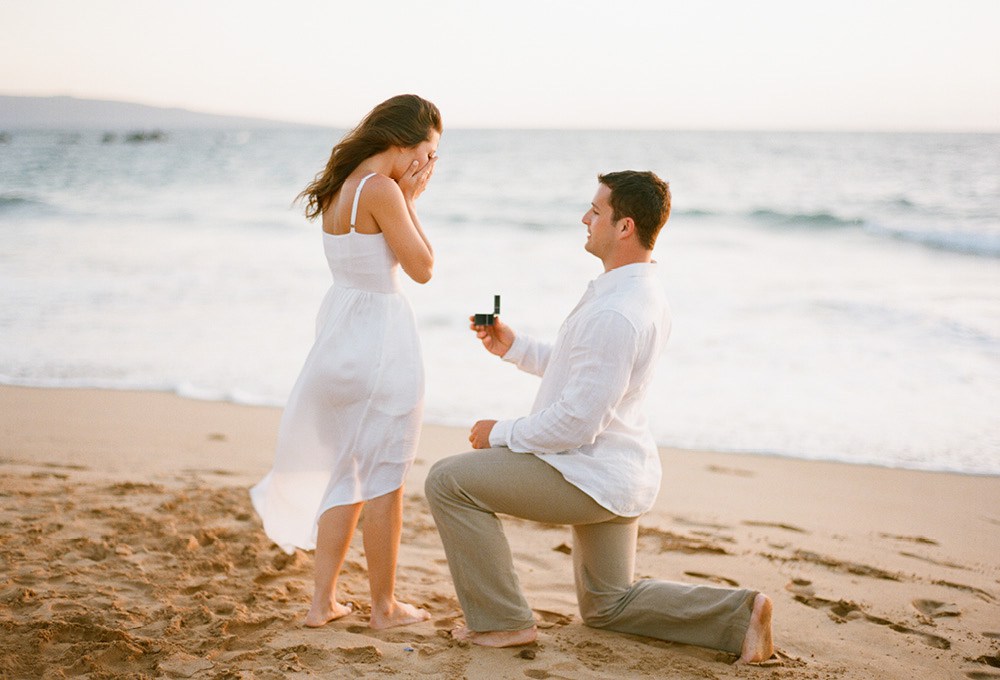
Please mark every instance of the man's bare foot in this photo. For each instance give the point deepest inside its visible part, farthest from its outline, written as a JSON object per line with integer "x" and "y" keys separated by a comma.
{"x": 398, "y": 614}
{"x": 320, "y": 615}
{"x": 758, "y": 645}
{"x": 497, "y": 638}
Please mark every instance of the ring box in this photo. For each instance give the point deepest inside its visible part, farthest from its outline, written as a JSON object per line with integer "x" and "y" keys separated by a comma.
{"x": 487, "y": 319}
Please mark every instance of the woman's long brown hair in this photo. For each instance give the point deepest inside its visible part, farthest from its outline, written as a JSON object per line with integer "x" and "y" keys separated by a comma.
{"x": 404, "y": 120}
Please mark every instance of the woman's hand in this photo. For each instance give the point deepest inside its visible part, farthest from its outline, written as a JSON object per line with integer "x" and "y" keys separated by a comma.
{"x": 415, "y": 179}
{"x": 497, "y": 337}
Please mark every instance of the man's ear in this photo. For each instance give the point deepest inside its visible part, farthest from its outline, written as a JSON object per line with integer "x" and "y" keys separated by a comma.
{"x": 626, "y": 227}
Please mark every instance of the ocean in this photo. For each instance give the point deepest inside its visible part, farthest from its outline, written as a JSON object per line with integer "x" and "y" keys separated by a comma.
{"x": 835, "y": 296}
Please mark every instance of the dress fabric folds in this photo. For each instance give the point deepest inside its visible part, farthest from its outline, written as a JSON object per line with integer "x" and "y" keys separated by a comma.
{"x": 350, "y": 427}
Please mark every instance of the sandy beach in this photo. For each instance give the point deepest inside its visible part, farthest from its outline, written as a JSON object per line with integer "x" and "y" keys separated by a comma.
{"x": 130, "y": 549}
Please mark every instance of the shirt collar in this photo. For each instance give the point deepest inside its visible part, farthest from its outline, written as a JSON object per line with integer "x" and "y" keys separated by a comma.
{"x": 608, "y": 281}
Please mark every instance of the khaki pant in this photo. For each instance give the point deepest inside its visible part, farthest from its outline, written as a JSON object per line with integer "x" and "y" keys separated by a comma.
{"x": 466, "y": 492}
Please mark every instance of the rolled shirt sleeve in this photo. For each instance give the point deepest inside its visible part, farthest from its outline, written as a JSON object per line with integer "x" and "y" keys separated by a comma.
{"x": 529, "y": 355}
{"x": 588, "y": 420}
{"x": 598, "y": 366}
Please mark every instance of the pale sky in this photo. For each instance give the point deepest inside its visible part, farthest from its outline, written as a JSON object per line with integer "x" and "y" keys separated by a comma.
{"x": 666, "y": 64}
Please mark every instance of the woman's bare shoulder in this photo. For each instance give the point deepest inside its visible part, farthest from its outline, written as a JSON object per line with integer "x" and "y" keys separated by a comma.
{"x": 380, "y": 187}
{"x": 383, "y": 199}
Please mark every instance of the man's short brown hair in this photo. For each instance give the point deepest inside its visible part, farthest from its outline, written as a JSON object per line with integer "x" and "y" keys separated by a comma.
{"x": 642, "y": 196}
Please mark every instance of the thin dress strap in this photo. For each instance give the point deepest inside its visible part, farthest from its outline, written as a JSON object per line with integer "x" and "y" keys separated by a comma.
{"x": 357, "y": 195}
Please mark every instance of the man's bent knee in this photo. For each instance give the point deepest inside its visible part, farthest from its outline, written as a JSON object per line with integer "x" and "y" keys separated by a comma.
{"x": 434, "y": 484}
{"x": 440, "y": 479}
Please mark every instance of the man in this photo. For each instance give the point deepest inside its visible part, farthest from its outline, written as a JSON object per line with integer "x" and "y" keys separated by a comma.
{"x": 585, "y": 457}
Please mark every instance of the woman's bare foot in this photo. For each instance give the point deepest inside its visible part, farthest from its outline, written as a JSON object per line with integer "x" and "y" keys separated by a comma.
{"x": 320, "y": 615}
{"x": 397, "y": 614}
{"x": 497, "y": 638}
{"x": 758, "y": 645}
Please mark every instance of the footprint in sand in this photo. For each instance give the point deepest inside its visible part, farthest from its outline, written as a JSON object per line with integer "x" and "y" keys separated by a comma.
{"x": 296, "y": 562}
{"x": 540, "y": 674}
{"x": 677, "y": 519}
{"x": 671, "y": 542}
{"x": 845, "y": 610}
{"x": 978, "y": 592}
{"x": 446, "y": 623}
{"x": 775, "y": 525}
{"x": 49, "y": 475}
{"x": 595, "y": 655}
{"x": 911, "y": 539}
{"x": 800, "y": 586}
{"x": 61, "y": 466}
{"x": 722, "y": 470}
{"x": 989, "y": 659}
{"x": 935, "y": 609}
{"x": 547, "y": 619}
{"x": 316, "y": 659}
{"x": 366, "y": 654}
{"x": 835, "y": 564}
{"x": 184, "y": 665}
{"x": 713, "y": 578}
{"x": 931, "y": 560}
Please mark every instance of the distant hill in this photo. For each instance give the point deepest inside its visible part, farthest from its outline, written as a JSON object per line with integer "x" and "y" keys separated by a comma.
{"x": 70, "y": 113}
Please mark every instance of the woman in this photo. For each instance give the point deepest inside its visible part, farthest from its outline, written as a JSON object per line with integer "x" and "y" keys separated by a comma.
{"x": 349, "y": 431}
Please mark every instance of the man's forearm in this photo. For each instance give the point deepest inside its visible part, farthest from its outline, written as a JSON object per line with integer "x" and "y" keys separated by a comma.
{"x": 529, "y": 355}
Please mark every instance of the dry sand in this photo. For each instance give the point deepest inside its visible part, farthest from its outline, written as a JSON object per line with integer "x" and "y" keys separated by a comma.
{"x": 130, "y": 549}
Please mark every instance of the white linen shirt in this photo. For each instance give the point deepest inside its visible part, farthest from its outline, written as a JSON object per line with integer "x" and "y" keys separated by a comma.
{"x": 588, "y": 420}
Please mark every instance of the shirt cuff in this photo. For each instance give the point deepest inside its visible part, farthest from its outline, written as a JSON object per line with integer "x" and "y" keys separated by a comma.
{"x": 517, "y": 350}
{"x": 500, "y": 434}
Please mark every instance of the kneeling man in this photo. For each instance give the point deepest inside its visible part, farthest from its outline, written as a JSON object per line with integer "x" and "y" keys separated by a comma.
{"x": 585, "y": 457}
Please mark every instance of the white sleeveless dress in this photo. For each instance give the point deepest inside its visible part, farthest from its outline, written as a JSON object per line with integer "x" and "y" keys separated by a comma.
{"x": 350, "y": 427}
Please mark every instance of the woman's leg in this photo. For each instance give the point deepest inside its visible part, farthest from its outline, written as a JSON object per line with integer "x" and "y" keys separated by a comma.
{"x": 336, "y": 528}
{"x": 381, "y": 529}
